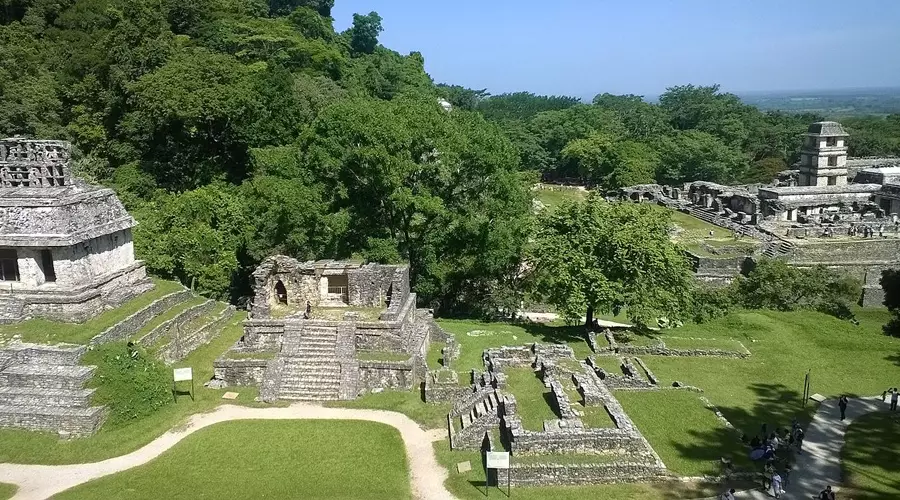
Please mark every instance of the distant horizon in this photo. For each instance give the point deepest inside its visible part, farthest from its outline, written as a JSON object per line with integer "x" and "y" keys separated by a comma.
{"x": 578, "y": 48}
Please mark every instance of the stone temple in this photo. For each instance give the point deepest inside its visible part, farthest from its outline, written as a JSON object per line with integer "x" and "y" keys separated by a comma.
{"x": 828, "y": 210}
{"x": 66, "y": 250}
{"x": 326, "y": 330}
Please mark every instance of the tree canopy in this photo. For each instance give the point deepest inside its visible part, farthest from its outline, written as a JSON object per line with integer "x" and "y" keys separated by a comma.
{"x": 600, "y": 257}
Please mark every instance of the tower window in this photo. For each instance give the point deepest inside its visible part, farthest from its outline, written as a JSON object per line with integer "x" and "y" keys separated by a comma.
{"x": 831, "y": 142}
{"x": 832, "y": 161}
{"x": 9, "y": 265}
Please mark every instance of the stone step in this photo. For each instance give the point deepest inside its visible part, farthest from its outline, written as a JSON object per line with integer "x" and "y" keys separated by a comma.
{"x": 72, "y": 421}
{"x": 309, "y": 381}
{"x": 44, "y": 376}
{"x": 37, "y": 354}
{"x": 307, "y": 395}
{"x": 37, "y": 396}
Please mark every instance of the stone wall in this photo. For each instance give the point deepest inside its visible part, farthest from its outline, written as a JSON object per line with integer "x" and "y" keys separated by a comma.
{"x": 237, "y": 372}
{"x": 385, "y": 375}
{"x": 70, "y": 422}
{"x": 370, "y": 285}
{"x": 180, "y": 347}
{"x": 575, "y": 474}
{"x": 132, "y": 324}
{"x": 443, "y": 385}
{"x": 862, "y": 251}
{"x": 182, "y": 318}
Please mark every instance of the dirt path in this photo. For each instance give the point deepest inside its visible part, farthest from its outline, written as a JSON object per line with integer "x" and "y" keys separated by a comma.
{"x": 37, "y": 482}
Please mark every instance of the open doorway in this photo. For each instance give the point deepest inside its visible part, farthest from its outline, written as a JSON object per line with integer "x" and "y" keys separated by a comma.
{"x": 280, "y": 292}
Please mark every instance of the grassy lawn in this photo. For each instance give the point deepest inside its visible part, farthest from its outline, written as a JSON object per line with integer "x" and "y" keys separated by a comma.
{"x": 382, "y": 356}
{"x": 7, "y": 490}
{"x": 694, "y": 231}
{"x": 42, "y": 448}
{"x": 871, "y": 458}
{"x": 673, "y": 421}
{"x": 552, "y": 198}
{"x": 470, "y": 485}
{"x": 434, "y": 358}
{"x": 474, "y": 337}
{"x": 533, "y": 400}
{"x": 50, "y": 332}
{"x": 268, "y": 459}
{"x": 409, "y": 403}
{"x": 167, "y": 315}
{"x": 696, "y": 343}
{"x": 767, "y": 387}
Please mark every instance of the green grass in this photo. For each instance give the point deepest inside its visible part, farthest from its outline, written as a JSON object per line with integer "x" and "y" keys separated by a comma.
{"x": 596, "y": 416}
{"x": 409, "y": 403}
{"x": 767, "y": 387}
{"x": 268, "y": 459}
{"x": 474, "y": 337}
{"x": 532, "y": 398}
{"x": 470, "y": 485}
{"x": 695, "y": 231}
{"x": 552, "y": 198}
{"x": 871, "y": 458}
{"x": 671, "y": 421}
{"x": 609, "y": 363}
{"x": 43, "y": 331}
{"x": 7, "y": 490}
{"x": 42, "y": 448}
{"x": 434, "y": 357}
{"x": 692, "y": 343}
{"x": 382, "y": 356}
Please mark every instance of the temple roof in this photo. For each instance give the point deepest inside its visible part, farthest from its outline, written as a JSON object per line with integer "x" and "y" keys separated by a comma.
{"x": 41, "y": 205}
{"x": 830, "y": 129}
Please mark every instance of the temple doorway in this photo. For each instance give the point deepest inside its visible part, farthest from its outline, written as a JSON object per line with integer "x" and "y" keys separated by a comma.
{"x": 280, "y": 292}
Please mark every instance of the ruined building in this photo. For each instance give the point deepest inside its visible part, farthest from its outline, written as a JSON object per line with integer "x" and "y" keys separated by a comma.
{"x": 324, "y": 330}
{"x": 831, "y": 210}
{"x": 66, "y": 248}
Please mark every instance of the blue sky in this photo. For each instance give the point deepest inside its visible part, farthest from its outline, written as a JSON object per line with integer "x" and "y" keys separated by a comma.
{"x": 583, "y": 47}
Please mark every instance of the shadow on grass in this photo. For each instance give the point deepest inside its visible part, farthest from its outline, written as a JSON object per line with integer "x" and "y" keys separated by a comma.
{"x": 775, "y": 410}
{"x": 871, "y": 457}
{"x": 556, "y": 334}
{"x": 895, "y": 358}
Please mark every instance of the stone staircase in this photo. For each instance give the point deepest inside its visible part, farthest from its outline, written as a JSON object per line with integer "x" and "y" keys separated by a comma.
{"x": 311, "y": 369}
{"x": 11, "y": 308}
{"x": 467, "y": 424}
{"x": 778, "y": 248}
{"x": 41, "y": 389}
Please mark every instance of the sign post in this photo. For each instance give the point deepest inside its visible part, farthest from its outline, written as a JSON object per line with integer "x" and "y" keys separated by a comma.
{"x": 806, "y": 388}
{"x": 182, "y": 375}
{"x": 498, "y": 460}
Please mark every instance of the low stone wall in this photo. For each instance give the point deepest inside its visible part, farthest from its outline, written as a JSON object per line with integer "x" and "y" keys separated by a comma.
{"x": 164, "y": 328}
{"x": 575, "y": 440}
{"x": 443, "y": 385}
{"x": 62, "y": 354}
{"x": 664, "y": 351}
{"x": 179, "y": 348}
{"x": 67, "y": 422}
{"x": 497, "y": 358}
{"x": 237, "y": 372}
{"x": 574, "y": 474}
{"x": 385, "y": 375}
{"x": 132, "y": 324}
{"x": 650, "y": 376}
{"x": 562, "y": 401}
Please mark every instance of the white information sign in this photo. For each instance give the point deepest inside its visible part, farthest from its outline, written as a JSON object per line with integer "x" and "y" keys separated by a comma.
{"x": 498, "y": 460}
{"x": 183, "y": 374}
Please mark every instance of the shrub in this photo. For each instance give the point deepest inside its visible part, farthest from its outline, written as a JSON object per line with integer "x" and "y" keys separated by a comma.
{"x": 130, "y": 382}
{"x": 711, "y": 303}
{"x": 890, "y": 283}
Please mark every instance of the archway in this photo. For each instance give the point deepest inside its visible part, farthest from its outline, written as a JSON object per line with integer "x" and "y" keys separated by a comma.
{"x": 280, "y": 292}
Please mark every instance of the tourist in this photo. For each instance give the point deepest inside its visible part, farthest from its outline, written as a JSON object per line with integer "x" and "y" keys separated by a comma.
{"x": 773, "y": 441}
{"x": 881, "y": 231}
{"x": 776, "y": 485}
{"x": 842, "y": 404}
{"x": 755, "y": 442}
{"x": 798, "y": 440}
{"x": 894, "y": 396}
{"x": 728, "y": 495}
{"x": 787, "y": 474}
{"x": 826, "y": 494}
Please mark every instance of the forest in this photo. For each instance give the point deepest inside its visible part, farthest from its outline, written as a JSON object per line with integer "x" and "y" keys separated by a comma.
{"x": 235, "y": 129}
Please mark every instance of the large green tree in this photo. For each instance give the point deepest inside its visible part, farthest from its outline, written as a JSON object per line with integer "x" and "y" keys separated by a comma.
{"x": 597, "y": 257}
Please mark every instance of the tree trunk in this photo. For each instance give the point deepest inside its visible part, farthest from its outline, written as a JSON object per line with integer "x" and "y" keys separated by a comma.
{"x": 589, "y": 318}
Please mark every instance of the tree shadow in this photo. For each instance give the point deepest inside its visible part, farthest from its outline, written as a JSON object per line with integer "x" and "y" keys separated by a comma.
{"x": 556, "y": 334}
{"x": 895, "y": 358}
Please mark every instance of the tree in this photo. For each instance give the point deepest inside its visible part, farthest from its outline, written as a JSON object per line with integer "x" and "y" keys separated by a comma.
{"x": 364, "y": 32}
{"x": 612, "y": 163}
{"x": 774, "y": 284}
{"x": 600, "y": 257}
{"x": 890, "y": 283}
{"x": 697, "y": 156}
{"x": 461, "y": 97}
{"x": 523, "y": 105}
{"x": 285, "y": 7}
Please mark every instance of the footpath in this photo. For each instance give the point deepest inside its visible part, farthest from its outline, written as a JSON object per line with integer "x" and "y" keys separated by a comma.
{"x": 820, "y": 463}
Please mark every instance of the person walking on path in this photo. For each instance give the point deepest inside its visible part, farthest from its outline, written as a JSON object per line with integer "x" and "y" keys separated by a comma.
{"x": 842, "y": 404}
{"x": 894, "y": 396}
{"x": 776, "y": 485}
{"x": 728, "y": 495}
